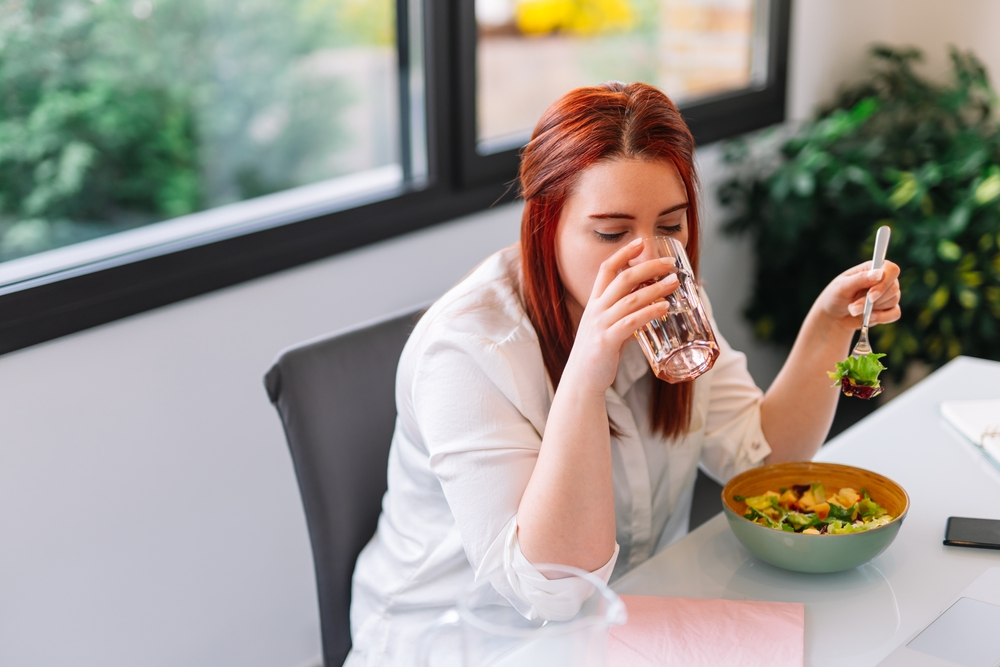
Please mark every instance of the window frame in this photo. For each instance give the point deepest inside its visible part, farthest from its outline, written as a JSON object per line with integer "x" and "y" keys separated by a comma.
{"x": 459, "y": 182}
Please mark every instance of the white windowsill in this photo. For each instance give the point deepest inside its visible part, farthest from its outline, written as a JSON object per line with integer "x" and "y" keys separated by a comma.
{"x": 199, "y": 228}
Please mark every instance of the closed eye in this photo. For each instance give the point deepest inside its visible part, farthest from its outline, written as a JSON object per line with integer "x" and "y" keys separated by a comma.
{"x": 670, "y": 229}
{"x": 609, "y": 238}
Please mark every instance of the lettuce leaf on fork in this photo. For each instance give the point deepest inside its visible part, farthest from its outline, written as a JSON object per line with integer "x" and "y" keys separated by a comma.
{"x": 862, "y": 370}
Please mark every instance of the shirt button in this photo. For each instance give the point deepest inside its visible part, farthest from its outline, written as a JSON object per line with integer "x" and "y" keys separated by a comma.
{"x": 755, "y": 445}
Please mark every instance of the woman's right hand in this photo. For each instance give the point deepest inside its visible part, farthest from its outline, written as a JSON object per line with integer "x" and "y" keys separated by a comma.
{"x": 615, "y": 311}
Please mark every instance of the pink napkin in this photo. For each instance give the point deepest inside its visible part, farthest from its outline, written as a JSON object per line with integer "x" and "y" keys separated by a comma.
{"x": 699, "y": 633}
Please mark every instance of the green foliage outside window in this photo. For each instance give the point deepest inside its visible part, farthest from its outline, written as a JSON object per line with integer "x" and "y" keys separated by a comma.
{"x": 118, "y": 113}
{"x": 900, "y": 150}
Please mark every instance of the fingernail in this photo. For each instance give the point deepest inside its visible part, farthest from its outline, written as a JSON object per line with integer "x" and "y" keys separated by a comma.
{"x": 874, "y": 296}
{"x": 669, "y": 279}
{"x": 875, "y": 274}
{"x": 854, "y": 309}
{"x": 636, "y": 242}
{"x": 668, "y": 260}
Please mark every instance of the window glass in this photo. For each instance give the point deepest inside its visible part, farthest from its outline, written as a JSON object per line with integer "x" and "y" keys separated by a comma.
{"x": 115, "y": 114}
{"x": 530, "y": 52}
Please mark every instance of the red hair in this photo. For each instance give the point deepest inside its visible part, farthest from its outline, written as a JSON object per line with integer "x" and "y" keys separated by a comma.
{"x": 585, "y": 126}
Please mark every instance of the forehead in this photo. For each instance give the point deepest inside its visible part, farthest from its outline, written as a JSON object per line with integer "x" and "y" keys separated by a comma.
{"x": 628, "y": 181}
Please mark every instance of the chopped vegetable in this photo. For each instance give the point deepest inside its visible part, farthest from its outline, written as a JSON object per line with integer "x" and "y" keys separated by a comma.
{"x": 858, "y": 376}
{"x": 810, "y": 510}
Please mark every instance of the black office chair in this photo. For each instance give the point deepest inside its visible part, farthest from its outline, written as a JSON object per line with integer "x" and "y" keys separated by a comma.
{"x": 336, "y": 398}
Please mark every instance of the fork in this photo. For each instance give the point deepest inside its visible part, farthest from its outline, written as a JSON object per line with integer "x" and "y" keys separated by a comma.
{"x": 881, "y": 245}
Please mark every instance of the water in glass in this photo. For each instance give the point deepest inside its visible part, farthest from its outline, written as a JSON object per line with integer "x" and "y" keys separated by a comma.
{"x": 680, "y": 345}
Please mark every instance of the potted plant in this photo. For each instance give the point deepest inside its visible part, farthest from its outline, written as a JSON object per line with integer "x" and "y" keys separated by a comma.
{"x": 896, "y": 149}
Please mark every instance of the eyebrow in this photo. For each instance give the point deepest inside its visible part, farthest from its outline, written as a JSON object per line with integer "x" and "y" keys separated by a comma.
{"x": 626, "y": 216}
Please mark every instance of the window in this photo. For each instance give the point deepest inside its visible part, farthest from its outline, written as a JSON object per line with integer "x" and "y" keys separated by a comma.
{"x": 722, "y": 61}
{"x": 530, "y": 52}
{"x": 121, "y": 114}
{"x": 152, "y": 150}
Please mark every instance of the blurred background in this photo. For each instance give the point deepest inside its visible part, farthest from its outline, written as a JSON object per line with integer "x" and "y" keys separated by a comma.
{"x": 148, "y": 509}
{"x": 121, "y": 113}
{"x": 529, "y": 53}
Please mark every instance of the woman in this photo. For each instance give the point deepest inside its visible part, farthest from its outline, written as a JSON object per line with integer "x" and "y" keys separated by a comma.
{"x": 530, "y": 427}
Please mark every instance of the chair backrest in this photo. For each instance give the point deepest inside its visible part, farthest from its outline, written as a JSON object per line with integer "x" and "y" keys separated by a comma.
{"x": 336, "y": 398}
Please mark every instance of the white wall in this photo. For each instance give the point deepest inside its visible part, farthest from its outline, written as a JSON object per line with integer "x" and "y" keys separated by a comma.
{"x": 830, "y": 39}
{"x": 148, "y": 510}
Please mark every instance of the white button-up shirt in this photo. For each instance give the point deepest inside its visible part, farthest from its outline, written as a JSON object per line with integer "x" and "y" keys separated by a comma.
{"x": 472, "y": 396}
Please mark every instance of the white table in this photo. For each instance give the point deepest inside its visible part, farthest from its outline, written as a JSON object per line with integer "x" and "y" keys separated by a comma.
{"x": 884, "y": 602}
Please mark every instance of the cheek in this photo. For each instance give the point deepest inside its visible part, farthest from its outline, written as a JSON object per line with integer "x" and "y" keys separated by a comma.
{"x": 578, "y": 268}
{"x": 682, "y": 236}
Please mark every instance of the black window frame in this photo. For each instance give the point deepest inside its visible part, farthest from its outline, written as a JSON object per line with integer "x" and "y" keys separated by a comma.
{"x": 460, "y": 182}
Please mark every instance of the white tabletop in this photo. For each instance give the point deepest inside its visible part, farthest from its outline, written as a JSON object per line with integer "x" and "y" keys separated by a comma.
{"x": 858, "y": 617}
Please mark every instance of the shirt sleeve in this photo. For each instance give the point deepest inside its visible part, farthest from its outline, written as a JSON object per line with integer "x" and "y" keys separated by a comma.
{"x": 734, "y": 441}
{"x": 482, "y": 448}
{"x": 537, "y": 595}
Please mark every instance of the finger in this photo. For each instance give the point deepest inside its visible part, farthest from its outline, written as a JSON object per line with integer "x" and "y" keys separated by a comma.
{"x": 641, "y": 298}
{"x": 633, "y": 277}
{"x": 863, "y": 266}
{"x": 891, "y": 270}
{"x": 887, "y": 299}
{"x": 857, "y": 307}
{"x": 879, "y": 301}
{"x": 889, "y": 305}
{"x": 890, "y": 273}
{"x": 861, "y": 280}
{"x": 631, "y": 323}
{"x": 611, "y": 267}
{"x": 885, "y": 316}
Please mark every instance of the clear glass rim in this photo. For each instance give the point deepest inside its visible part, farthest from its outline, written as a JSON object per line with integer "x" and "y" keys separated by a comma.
{"x": 614, "y": 613}
{"x": 677, "y": 249}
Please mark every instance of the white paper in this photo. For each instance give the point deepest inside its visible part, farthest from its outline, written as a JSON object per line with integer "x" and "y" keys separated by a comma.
{"x": 979, "y": 421}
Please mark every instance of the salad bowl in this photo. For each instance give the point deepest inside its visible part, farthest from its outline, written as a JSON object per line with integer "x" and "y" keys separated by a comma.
{"x": 813, "y": 553}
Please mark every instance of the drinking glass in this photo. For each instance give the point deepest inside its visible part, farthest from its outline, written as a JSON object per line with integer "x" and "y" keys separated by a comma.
{"x": 486, "y": 630}
{"x": 681, "y": 345}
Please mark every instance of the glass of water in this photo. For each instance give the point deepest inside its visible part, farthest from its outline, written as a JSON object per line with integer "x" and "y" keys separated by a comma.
{"x": 491, "y": 633}
{"x": 681, "y": 345}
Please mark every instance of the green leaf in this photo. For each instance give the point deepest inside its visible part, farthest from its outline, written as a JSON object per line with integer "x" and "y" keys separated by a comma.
{"x": 905, "y": 190}
{"x": 930, "y": 174}
{"x": 841, "y": 513}
{"x": 837, "y": 527}
{"x": 804, "y": 183}
{"x": 949, "y": 250}
{"x": 957, "y": 221}
{"x": 989, "y": 189}
{"x": 802, "y": 521}
{"x": 968, "y": 298}
{"x": 938, "y": 299}
{"x": 865, "y": 109}
{"x": 862, "y": 370}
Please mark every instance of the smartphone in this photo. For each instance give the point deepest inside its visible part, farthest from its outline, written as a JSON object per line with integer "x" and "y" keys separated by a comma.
{"x": 965, "y": 532}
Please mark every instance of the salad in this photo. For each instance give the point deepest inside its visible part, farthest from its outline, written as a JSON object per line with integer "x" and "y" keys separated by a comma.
{"x": 807, "y": 509}
{"x": 858, "y": 376}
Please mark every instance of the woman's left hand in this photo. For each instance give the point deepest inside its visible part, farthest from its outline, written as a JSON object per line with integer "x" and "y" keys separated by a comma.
{"x": 843, "y": 300}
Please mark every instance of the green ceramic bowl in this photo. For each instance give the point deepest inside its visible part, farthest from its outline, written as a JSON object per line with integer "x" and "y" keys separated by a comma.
{"x": 813, "y": 553}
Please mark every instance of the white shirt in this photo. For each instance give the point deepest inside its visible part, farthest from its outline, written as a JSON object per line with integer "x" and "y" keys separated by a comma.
{"x": 472, "y": 396}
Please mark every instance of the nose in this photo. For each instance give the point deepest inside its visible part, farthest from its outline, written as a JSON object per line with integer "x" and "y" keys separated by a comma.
{"x": 648, "y": 251}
